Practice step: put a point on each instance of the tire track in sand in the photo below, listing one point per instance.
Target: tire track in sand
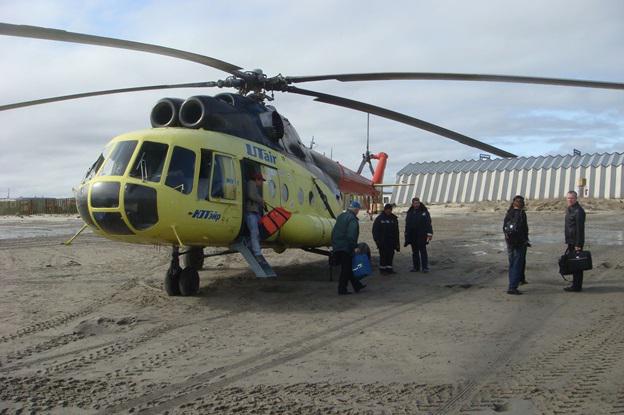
(214, 379)
(66, 317)
(562, 379)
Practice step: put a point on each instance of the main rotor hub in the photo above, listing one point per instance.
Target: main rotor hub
(254, 83)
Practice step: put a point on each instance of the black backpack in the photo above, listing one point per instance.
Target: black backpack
(512, 228)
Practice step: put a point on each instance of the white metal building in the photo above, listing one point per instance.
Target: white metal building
(544, 177)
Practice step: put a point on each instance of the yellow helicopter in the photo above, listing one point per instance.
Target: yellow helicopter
(181, 182)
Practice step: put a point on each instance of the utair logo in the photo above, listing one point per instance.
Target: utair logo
(257, 152)
(205, 214)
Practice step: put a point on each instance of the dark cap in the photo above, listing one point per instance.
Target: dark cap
(258, 176)
(389, 206)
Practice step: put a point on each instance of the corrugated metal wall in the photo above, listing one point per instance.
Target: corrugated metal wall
(533, 177)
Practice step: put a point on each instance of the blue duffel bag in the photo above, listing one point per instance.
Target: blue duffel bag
(361, 266)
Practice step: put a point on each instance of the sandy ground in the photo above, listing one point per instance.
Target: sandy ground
(87, 329)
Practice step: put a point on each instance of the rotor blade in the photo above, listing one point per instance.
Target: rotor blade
(106, 92)
(402, 118)
(63, 36)
(393, 76)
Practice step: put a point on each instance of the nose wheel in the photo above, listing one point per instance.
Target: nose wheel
(189, 281)
(180, 281)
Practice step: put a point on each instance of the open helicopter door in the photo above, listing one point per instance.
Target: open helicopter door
(258, 264)
(270, 187)
(271, 192)
(219, 199)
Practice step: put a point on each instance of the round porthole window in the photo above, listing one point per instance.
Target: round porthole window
(284, 192)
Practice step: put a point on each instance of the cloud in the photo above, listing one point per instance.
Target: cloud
(46, 149)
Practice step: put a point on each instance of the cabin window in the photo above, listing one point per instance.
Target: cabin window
(205, 168)
(119, 158)
(150, 161)
(223, 178)
(272, 187)
(181, 170)
(300, 196)
(284, 192)
(311, 197)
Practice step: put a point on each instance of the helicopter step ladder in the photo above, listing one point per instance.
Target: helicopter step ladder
(259, 266)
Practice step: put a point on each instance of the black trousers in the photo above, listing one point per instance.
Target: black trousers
(346, 272)
(419, 255)
(577, 277)
(386, 255)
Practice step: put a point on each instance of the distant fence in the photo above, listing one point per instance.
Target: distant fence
(37, 206)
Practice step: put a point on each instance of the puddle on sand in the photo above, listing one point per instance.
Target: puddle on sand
(31, 230)
(596, 236)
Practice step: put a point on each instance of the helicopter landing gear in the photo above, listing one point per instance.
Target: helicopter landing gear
(172, 278)
(194, 257)
(189, 281)
(185, 281)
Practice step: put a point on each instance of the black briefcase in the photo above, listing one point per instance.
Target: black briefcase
(572, 262)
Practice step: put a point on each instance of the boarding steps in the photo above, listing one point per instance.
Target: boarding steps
(258, 265)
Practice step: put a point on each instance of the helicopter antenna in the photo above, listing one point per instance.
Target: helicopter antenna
(312, 143)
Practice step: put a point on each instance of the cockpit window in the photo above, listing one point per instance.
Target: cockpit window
(150, 161)
(181, 170)
(116, 164)
(94, 168)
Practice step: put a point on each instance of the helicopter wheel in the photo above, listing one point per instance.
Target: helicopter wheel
(172, 281)
(194, 258)
(189, 281)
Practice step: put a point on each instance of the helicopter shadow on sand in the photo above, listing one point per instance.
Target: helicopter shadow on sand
(304, 286)
(307, 287)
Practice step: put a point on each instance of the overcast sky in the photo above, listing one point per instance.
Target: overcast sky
(46, 149)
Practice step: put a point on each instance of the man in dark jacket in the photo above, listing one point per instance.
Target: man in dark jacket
(418, 233)
(344, 241)
(516, 231)
(574, 235)
(386, 236)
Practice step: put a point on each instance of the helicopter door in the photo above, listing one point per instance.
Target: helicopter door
(270, 187)
(219, 199)
(271, 191)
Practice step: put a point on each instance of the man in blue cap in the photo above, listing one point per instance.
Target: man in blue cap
(344, 241)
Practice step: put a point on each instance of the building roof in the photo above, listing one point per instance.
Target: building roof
(519, 163)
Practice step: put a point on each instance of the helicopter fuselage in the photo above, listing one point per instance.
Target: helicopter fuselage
(180, 186)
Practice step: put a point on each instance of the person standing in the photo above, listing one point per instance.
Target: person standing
(418, 233)
(386, 236)
(344, 241)
(254, 207)
(574, 235)
(516, 231)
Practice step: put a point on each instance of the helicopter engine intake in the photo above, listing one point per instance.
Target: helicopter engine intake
(166, 113)
(204, 112)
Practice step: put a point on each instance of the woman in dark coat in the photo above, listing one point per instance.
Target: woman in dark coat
(516, 231)
(418, 233)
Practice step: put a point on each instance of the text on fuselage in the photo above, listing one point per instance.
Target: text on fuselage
(260, 153)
